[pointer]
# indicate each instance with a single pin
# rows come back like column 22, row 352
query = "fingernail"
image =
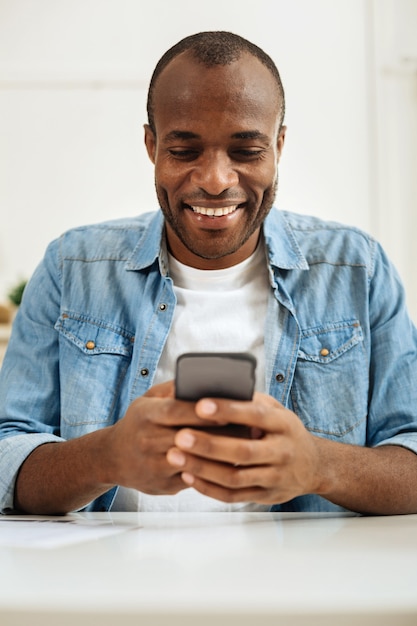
column 187, row 478
column 185, row 440
column 207, row 407
column 175, row 457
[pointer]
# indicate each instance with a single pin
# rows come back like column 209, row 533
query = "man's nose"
column 214, row 174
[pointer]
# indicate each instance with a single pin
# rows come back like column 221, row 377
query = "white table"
column 219, row 568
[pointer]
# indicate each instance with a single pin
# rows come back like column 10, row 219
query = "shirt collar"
column 281, row 244
column 151, row 244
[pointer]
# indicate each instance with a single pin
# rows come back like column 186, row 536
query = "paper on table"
column 53, row 532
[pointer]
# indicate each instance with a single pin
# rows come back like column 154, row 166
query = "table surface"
column 217, row 568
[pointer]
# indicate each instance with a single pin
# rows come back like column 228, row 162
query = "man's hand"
column 276, row 464
column 138, row 443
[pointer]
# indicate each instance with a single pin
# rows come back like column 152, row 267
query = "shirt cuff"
column 13, row 452
column 405, row 440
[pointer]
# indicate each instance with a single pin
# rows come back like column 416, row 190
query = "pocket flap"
column 95, row 336
column 323, row 344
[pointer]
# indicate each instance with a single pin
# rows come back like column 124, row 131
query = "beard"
column 216, row 244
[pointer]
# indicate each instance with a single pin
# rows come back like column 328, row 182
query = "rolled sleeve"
column 29, row 381
column 392, row 418
column 405, row 441
column 13, row 451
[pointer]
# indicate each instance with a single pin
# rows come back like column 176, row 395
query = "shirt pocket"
column 330, row 387
column 94, row 359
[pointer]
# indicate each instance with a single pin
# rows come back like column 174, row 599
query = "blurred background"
column 73, row 81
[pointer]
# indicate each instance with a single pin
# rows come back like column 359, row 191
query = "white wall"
column 395, row 126
column 73, row 81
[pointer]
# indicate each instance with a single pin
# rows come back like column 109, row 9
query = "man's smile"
column 214, row 211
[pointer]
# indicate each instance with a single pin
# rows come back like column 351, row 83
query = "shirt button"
column 144, row 371
column 280, row 377
column 324, row 352
column 90, row 345
column 162, row 307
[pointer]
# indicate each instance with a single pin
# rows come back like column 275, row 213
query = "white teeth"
column 214, row 212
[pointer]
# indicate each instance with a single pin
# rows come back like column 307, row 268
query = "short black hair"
column 213, row 48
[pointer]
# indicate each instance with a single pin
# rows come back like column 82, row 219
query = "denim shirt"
column 340, row 349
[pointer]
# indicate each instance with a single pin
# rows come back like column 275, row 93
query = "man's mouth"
column 214, row 212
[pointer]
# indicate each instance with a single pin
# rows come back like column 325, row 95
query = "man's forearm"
column 61, row 477
column 380, row 481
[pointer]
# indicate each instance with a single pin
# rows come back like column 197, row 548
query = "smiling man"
column 88, row 417
column 215, row 139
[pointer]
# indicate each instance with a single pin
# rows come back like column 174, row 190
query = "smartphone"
column 215, row 374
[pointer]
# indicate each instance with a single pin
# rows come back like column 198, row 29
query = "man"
column 89, row 417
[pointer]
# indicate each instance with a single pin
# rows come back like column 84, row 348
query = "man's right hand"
column 138, row 443
column 66, row 476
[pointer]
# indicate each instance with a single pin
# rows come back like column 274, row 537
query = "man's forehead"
column 185, row 74
column 188, row 90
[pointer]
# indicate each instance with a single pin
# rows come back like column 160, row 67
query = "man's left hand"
column 279, row 462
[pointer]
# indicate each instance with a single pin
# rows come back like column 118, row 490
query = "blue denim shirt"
column 341, row 351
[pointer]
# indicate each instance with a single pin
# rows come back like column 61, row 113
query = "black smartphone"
column 215, row 374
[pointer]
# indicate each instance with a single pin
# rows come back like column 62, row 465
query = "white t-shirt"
column 218, row 311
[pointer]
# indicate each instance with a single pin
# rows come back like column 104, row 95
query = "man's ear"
column 281, row 141
column 150, row 142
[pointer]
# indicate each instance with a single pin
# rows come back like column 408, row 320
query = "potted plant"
column 16, row 293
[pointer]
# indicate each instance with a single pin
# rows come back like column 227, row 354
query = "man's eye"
column 249, row 154
column 184, row 154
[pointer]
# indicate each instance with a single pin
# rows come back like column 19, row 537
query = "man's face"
column 215, row 152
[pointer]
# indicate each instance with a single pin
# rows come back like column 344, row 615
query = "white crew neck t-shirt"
column 217, row 311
